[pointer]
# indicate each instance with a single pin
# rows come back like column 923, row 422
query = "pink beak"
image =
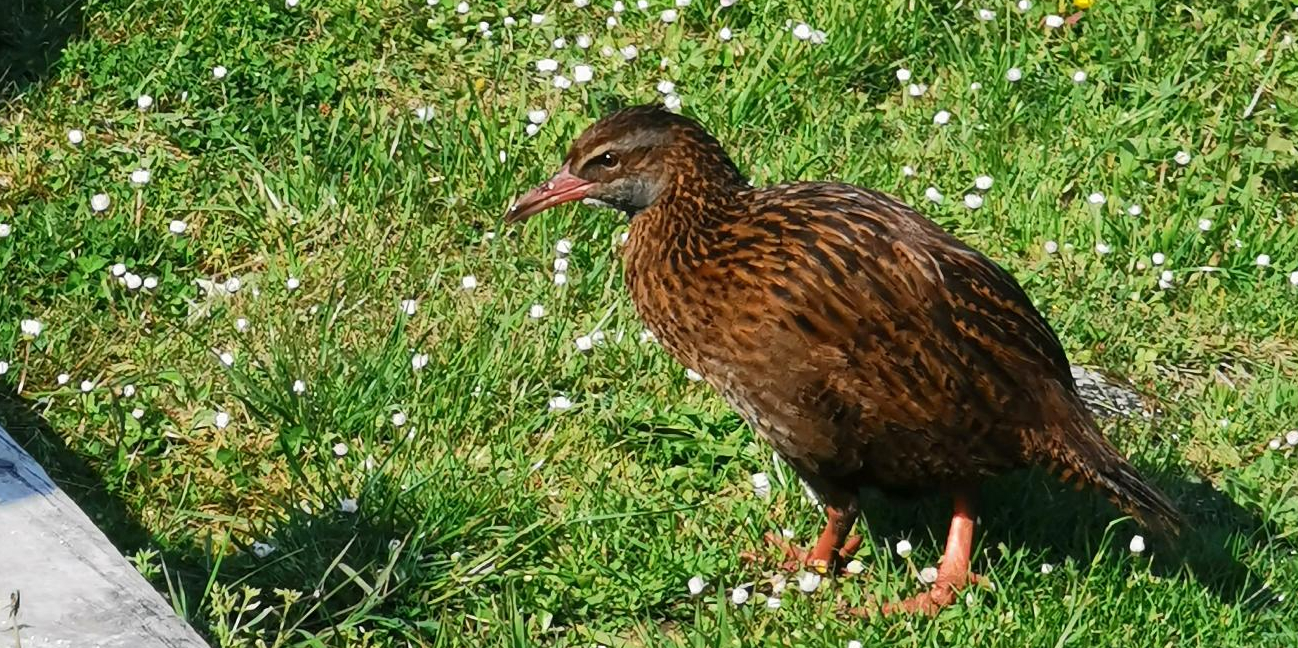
column 564, row 187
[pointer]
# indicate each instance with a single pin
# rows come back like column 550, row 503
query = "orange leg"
column 833, row 549
column 953, row 572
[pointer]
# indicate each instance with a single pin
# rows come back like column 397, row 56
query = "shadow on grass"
column 350, row 568
column 33, row 34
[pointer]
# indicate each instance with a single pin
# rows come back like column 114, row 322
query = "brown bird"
column 866, row 344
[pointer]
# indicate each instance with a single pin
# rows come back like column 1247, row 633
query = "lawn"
column 285, row 352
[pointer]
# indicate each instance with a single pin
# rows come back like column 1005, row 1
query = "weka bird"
column 870, row 347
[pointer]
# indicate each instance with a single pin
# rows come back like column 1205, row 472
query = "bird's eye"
column 607, row 159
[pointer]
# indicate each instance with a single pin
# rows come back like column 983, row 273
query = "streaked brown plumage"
column 866, row 344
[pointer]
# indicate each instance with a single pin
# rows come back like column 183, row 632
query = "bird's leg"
column 834, row 547
column 953, row 572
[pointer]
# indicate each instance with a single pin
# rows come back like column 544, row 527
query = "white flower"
column 5, row 230
column 1291, row 437
column 150, row 283
column 942, row 118
column 502, row 153
column 773, row 603
column 1096, row 198
column 289, row 4
column 87, row 386
column 128, row 391
column 582, row 73
column 1013, row 75
column 583, row 41
column 1054, row 21
column 973, row 201
column 975, row 86
column 610, row 22
column 1293, row 278
column 76, row 137
column 137, row 413
column 908, row 171
column 1182, row 157
column 468, row 282
column 619, row 7
column 227, row 358
column 547, row 65
column 31, row 328
column 118, row 269
column 802, row 31
column 672, row 102
column 418, row 361
column 62, row 379
column 261, row 549
column 233, row 284
column 563, row 247
column 693, row 375
column 584, row 343
column 1051, row 247
column 560, row 278
column 562, row 82
column 532, row 129
column 1079, row 76
column 560, row 403
column 724, row 3
column 1263, row 260
column 933, row 195
column 347, row 505
column 725, row 34
column 1274, row 444
column 177, row 226
column 462, row 8
column 424, row 113
column 221, row 420
column 398, row 419
column 537, row 311
column 1134, row 210
column 855, row 567
column 538, row 18
column 1024, row 6
column 292, row 283
column 682, row 3
column 409, row 307
column 1137, row 545
column 132, row 281
column 854, row 644
column 986, row 15
column 666, row 87
column 1205, row 225
column 761, row 485
column 916, row 89
column 903, row 548
column 340, row 449
column 696, row 585
column 219, row 72
column 537, row 116
column 1158, row 258
column 808, row 581
column 558, row 43
column 983, row 182
column 1165, row 280
column 903, row 75
column 1102, row 248
column 669, row 16
column 510, row 21
column 630, row 52
column 100, row 202
column 928, row 575
column 299, row 387
column 739, row 596
column 1046, row 568
column 144, row 102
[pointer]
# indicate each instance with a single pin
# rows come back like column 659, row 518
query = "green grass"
column 306, row 161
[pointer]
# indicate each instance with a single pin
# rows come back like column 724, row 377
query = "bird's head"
column 629, row 160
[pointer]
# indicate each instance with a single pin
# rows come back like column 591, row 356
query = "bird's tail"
column 1080, row 455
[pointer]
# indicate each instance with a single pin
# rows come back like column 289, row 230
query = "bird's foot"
column 819, row 559
column 942, row 594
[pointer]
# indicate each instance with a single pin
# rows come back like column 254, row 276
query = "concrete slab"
column 74, row 588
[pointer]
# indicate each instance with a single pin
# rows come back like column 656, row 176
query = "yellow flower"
column 1082, row 4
